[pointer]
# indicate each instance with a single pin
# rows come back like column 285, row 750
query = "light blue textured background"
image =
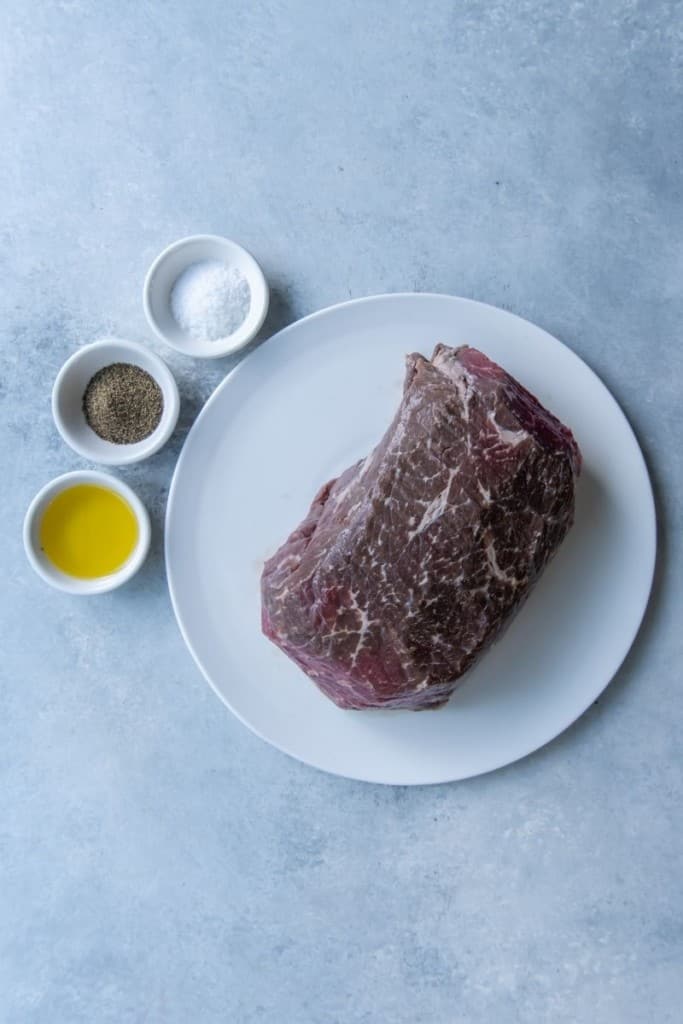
column 159, row 863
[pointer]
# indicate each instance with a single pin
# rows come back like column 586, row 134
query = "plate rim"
column 624, row 648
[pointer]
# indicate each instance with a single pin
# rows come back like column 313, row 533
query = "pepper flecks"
column 123, row 403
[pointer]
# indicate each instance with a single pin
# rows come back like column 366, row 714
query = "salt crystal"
column 210, row 300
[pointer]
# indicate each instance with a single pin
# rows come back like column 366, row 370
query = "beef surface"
column 409, row 565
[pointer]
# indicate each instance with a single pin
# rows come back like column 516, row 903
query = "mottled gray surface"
column 159, row 863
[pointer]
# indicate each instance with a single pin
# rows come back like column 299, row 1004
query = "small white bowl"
column 54, row 576
column 67, row 401
column 166, row 270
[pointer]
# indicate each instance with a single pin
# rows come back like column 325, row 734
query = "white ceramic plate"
column 301, row 408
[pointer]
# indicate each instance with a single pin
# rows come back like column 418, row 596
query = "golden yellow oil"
column 88, row 531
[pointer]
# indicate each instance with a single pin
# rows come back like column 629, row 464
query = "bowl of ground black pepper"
column 115, row 402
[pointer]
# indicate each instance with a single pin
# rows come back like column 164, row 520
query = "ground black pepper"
column 123, row 403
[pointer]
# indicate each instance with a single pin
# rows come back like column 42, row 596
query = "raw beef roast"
column 410, row 564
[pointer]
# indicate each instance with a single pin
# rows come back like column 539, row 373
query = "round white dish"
column 67, row 401
column 301, row 408
column 42, row 564
column 166, row 270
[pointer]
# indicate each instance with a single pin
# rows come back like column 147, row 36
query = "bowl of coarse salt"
column 205, row 296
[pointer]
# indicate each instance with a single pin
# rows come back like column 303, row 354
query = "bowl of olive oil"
column 86, row 532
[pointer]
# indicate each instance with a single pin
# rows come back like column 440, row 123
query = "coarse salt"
column 210, row 300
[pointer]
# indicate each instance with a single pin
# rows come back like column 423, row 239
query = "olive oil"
column 88, row 531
